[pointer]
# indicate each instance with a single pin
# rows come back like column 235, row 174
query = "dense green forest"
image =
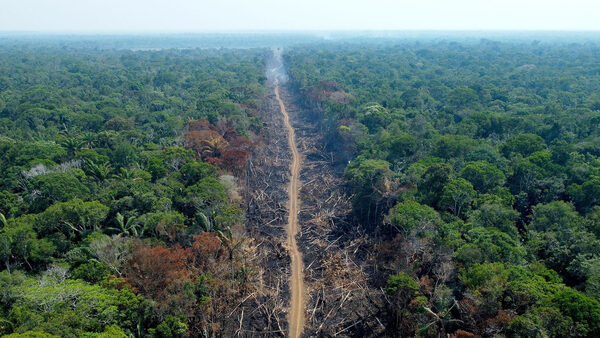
column 472, row 165
column 120, row 211
column 475, row 166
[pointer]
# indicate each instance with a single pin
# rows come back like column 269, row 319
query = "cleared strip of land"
column 296, row 313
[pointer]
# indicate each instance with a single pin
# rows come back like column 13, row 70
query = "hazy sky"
column 226, row 15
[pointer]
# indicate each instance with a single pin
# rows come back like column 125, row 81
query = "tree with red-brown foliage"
column 226, row 149
column 239, row 142
column 207, row 249
column 201, row 124
column 163, row 274
column 160, row 274
column 235, row 160
column 205, row 143
column 462, row 334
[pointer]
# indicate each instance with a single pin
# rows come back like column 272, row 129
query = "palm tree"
column 205, row 223
column 125, row 174
column 441, row 319
column 72, row 145
column 212, row 147
column 89, row 139
column 127, row 228
column 100, row 172
column 233, row 242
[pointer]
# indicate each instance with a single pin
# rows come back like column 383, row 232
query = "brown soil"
column 296, row 312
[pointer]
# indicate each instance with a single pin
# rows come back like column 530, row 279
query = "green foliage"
column 371, row 181
column 410, row 216
column 71, row 308
column 19, row 244
column 127, row 228
column 481, row 274
column 163, row 225
column 541, row 322
column 554, row 216
column 483, row 175
column 57, row 187
column 524, row 144
column 457, row 196
column 194, row 171
column 490, row 245
column 170, row 327
column 510, row 155
column 433, row 181
column 453, row 146
column 31, row 334
column 402, row 283
column 73, row 218
column 461, row 98
column 91, row 272
column 100, row 171
column 491, row 214
column 401, row 146
column 93, row 147
column 209, row 196
column 583, row 311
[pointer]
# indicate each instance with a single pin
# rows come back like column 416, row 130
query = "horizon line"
column 271, row 31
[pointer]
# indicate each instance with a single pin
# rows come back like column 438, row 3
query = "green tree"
column 5, row 250
column 490, row 245
column 458, row 196
column 194, row 171
column 72, row 307
column 371, row 182
column 492, row 214
column 433, row 181
column 171, row 327
column 524, row 144
column 127, row 227
column 74, row 217
column 484, row 175
column 462, row 98
column 453, row 146
column 411, row 216
column 401, row 146
column 554, row 216
column 71, row 145
column 156, row 167
column 405, row 297
column 19, row 244
column 403, row 285
column 57, row 187
column 31, row 334
column 542, row 322
column 584, row 311
column 100, row 171
column 167, row 225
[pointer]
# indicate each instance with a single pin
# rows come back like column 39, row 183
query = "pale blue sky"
column 236, row 15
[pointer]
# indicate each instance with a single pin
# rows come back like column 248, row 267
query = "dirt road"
column 296, row 312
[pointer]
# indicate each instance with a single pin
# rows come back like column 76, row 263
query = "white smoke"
column 276, row 73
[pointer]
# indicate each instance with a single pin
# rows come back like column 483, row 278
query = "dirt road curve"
column 296, row 312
